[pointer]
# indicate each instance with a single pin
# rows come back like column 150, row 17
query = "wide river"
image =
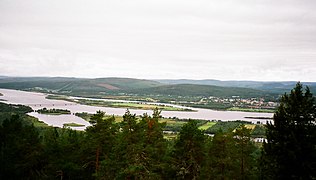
column 38, row 101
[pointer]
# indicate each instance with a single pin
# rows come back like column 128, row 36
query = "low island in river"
column 53, row 111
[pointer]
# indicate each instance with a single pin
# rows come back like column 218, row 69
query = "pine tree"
column 222, row 155
column 129, row 156
column 189, row 151
column 155, row 145
column 100, row 139
column 290, row 152
column 20, row 150
column 245, row 149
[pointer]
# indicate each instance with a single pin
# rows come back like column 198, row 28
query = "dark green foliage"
column 85, row 116
column 155, row 146
column 132, row 149
column 128, row 153
column 100, row 140
column 245, row 153
column 20, row 150
column 53, row 111
column 259, row 131
column 231, row 155
column 7, row 110
column 173, row 127
column 21, row 109
column 222, row 156
column 189, row 151
column 62, row 155
column 290, row 152
column 141, row 150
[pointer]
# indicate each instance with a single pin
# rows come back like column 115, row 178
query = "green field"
column 87, row 117
column 207, row 125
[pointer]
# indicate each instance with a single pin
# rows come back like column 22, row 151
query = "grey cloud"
column 218, row 39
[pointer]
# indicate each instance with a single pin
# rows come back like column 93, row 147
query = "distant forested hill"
column 202, row 90
column 273, row 87
column 116, row 86
column 76, row 86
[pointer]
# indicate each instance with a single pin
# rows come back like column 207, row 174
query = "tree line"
column 136, row 148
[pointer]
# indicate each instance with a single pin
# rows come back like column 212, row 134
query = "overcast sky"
column 196, row 39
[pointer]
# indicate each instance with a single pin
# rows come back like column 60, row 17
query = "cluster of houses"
column 236, row 101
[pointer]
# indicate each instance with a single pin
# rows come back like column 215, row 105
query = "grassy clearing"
column 207, row 125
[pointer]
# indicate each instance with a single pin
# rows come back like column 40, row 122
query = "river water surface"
column 37, row 101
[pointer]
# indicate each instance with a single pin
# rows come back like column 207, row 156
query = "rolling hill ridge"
column 119, row 86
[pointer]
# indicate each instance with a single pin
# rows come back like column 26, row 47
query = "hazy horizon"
column 257, row 40
column 157, row 79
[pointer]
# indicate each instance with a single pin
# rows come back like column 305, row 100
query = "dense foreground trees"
column 136, row 148
column 290, row 152
column 131, row 149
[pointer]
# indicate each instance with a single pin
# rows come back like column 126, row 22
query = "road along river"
column 37, row 101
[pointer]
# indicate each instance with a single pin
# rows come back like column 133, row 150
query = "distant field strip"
column 207, row 125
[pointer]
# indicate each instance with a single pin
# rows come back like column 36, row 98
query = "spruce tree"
column 290, row 151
